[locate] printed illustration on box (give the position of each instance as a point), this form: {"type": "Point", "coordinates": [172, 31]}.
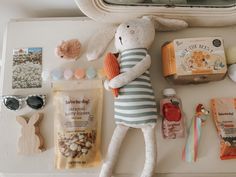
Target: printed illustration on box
{"type": "Point", "coordinates": [31, 140]}
{"type": "Point", "coordinates": [27, 68]}
{"type": "Point", "coordinates": [194, 60]}
{"type": "Point", "coordinates": [135, 106]}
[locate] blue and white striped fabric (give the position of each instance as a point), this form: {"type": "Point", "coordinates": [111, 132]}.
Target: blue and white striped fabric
{"type": "Point", "coordinates": [136, 101]}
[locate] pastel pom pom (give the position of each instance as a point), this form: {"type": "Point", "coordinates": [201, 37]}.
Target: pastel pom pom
{"type": "Point", "coordinates": [91, 73]}
{"type": "Point", "coordinates": [45, 75]}
{"type": "Point", "coordinates": [79, 73]}
{"type": "Point", "coordinates": [68, 74]}
{"type": "Point", "coordinates": [232, 72]}
{"type": "Point", "coordinates": [101, 74]}
{"type": "Point", "coordinates": [231, 55]}
{"type": "Point", "coordinates": [56, 74]}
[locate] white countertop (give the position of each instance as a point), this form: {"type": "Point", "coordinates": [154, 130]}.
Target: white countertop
{"type": "Point", "coordinates": [47, 33]}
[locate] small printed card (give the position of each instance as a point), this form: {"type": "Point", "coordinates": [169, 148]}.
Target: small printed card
{"type": "Point", "coordinates": [27, 68]}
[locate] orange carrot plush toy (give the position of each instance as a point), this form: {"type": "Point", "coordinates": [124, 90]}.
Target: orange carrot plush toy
{"type": "Point", "coordinates": [112, 69]}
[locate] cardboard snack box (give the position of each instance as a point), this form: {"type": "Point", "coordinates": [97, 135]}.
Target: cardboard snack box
{"type": "Point", "coordinates": [194, 60]}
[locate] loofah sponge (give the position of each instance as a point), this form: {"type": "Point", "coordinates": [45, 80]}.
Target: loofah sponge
{"type": "Point", "coordinates": [69, 49]}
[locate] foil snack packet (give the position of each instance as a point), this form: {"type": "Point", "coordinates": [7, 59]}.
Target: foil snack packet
{"type": "Point", "coordinates": [224, 115]}
{"type": "Point", "coordinates": [77, 123]}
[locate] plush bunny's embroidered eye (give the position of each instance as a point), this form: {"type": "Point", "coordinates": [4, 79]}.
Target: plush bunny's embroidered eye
{"type": "Point", "coordinates": [120, 40]}
{"type": "Point", "coordinates": [127, 26]}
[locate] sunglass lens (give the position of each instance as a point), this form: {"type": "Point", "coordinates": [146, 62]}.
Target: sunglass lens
{"type": "Point", "coordinates": [35, 102]}
{"type": "Point", "coordinates": [12, 103]}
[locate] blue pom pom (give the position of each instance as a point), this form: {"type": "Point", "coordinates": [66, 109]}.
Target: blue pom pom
{"type": "Point", "coordinates": [57, 74]}
{"type": "Point", "coordinates": [91, 73]}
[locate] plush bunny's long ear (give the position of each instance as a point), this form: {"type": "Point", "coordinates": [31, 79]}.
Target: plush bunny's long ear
{"type": "Point", "coordinates": [99, 42]}
{"type": "Point", "coordinates": [166, 24]}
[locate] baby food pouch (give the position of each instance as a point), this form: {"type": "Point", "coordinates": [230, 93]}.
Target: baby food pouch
{"type": "Point", "coordinates": [224, 115]}
{"type": "Point", "coordinates": [173, 117]}
{"type": "Point", "coordinates": [77, 123]}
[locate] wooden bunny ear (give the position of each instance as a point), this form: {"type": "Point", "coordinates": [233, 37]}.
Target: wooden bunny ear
{"type": "Point", "coordinates": [35, 119]}
{"type": "Point", "coordinates": [99, 42]}
{"type": "Point", "coordinates": [21, 120]}
{"type": "Point", "coordinates": [166, 24]}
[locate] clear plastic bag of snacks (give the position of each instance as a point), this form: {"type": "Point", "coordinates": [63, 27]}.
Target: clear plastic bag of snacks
{"type": "Point", "coordinates": [77, 123]}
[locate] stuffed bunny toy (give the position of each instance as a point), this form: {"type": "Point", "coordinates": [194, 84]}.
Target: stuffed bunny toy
{"type": "Point", "coordinates": [135, 106]}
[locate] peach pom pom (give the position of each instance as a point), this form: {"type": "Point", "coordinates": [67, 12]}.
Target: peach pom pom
{"type": "Point", "coordinates": [79, 73]}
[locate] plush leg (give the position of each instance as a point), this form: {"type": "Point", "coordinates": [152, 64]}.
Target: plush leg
{"type": "Point", "coordinates": [113, 150]}
{"type": "Point", "coordinates": [150, 149]}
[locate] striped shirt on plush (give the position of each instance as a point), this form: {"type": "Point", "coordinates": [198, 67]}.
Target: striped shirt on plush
{"type": "Point", "coordinates": [136, 101]}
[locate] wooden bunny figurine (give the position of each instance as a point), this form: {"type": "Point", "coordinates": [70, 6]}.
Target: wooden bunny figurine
{"type": "Point", "coordinates": [31, 141]}
{"type": "Point", "coordinates": [135, 106]}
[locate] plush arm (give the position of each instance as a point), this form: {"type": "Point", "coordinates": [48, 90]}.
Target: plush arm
{"type": "Point", "coordinates": [131, 74]}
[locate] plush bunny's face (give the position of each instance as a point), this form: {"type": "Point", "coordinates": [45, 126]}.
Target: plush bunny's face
{"type": "Point", "coordinates": [138, 33]}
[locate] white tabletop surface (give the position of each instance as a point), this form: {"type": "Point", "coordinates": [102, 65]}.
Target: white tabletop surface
{"type": "Point", "coordinates": [47, 33]}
